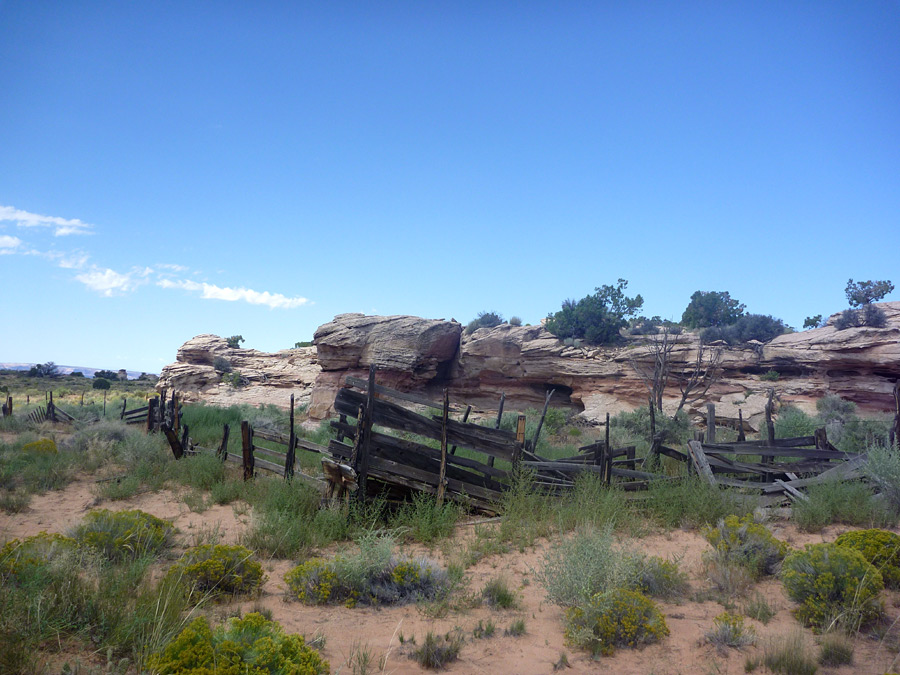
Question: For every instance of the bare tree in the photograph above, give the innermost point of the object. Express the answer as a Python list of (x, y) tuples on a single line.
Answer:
[(657, 365)]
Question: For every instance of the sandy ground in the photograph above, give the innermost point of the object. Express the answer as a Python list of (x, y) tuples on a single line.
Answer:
[(379, 630)]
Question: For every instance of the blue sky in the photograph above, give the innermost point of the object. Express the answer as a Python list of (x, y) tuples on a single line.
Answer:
[(176, 168)]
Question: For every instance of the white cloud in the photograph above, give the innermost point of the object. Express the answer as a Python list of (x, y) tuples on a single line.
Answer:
[(108, 282), (61, 226), (7, 243), (212, 292)]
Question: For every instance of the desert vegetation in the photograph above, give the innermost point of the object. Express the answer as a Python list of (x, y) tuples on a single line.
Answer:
[(142, 576)]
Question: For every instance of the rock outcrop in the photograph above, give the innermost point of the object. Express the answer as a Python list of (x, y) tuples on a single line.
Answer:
[(411, 353), (524, 362), (199, 374)]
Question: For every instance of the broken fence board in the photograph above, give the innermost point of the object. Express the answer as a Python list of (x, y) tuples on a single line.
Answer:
[(696, 452)]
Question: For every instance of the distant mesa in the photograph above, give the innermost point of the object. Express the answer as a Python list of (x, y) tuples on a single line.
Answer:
[(68, 370)]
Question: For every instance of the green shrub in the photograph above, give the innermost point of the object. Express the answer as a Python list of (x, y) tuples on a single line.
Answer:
[(729, 631), (576, 569), (761, 327), (789, 655), (793, 422), (212, 570), (484, 320), (883, 469), (832, 584), (660, 578), (373, 576), (221, 364), (424, 520), (745, 542), (770, 376), (881, 548), (100, 383), (758, 608), (515, 629), (691, 502), (438, 650), (597, 318), (615, 618), (123, 535), (637, 424), (252, 645), (840, 501), (711, 308), (497, 593), (836, 649)]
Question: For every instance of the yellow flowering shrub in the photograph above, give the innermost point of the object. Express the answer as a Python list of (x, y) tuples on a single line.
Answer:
[(616, 618), (747, 543), (218, 569), (20, 557), (832, 584), (252, 645), (123, 535), (43, 446), (313, 582), (879, 547)]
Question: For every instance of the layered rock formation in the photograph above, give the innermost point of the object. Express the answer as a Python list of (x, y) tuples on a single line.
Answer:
[(424, 355), (264, 378)]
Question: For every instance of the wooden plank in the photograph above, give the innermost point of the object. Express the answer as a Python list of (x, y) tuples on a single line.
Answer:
[(695, 450), (442, 474), (278, 469), (425, 458), (495, 442), (673, 453), (268, 452), (846, 471), (272, 436), (381, 390), (174, 443), (793, 492), (765, 451), (463, 420), (385, 441)]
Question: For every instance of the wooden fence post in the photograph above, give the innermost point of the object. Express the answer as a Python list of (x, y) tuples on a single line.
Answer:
[(442, 474), (711, 422), (741, 435), (365, 432), (222, 452), (104, 402), (770, 431), (152, 404), (537, 432), (247, 449), (895, 429), (607, 457), (124, 403), (292, 444), (499, 420), (520, 441)]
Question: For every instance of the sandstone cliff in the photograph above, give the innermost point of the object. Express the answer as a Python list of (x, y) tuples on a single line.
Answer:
[(424, 355)]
